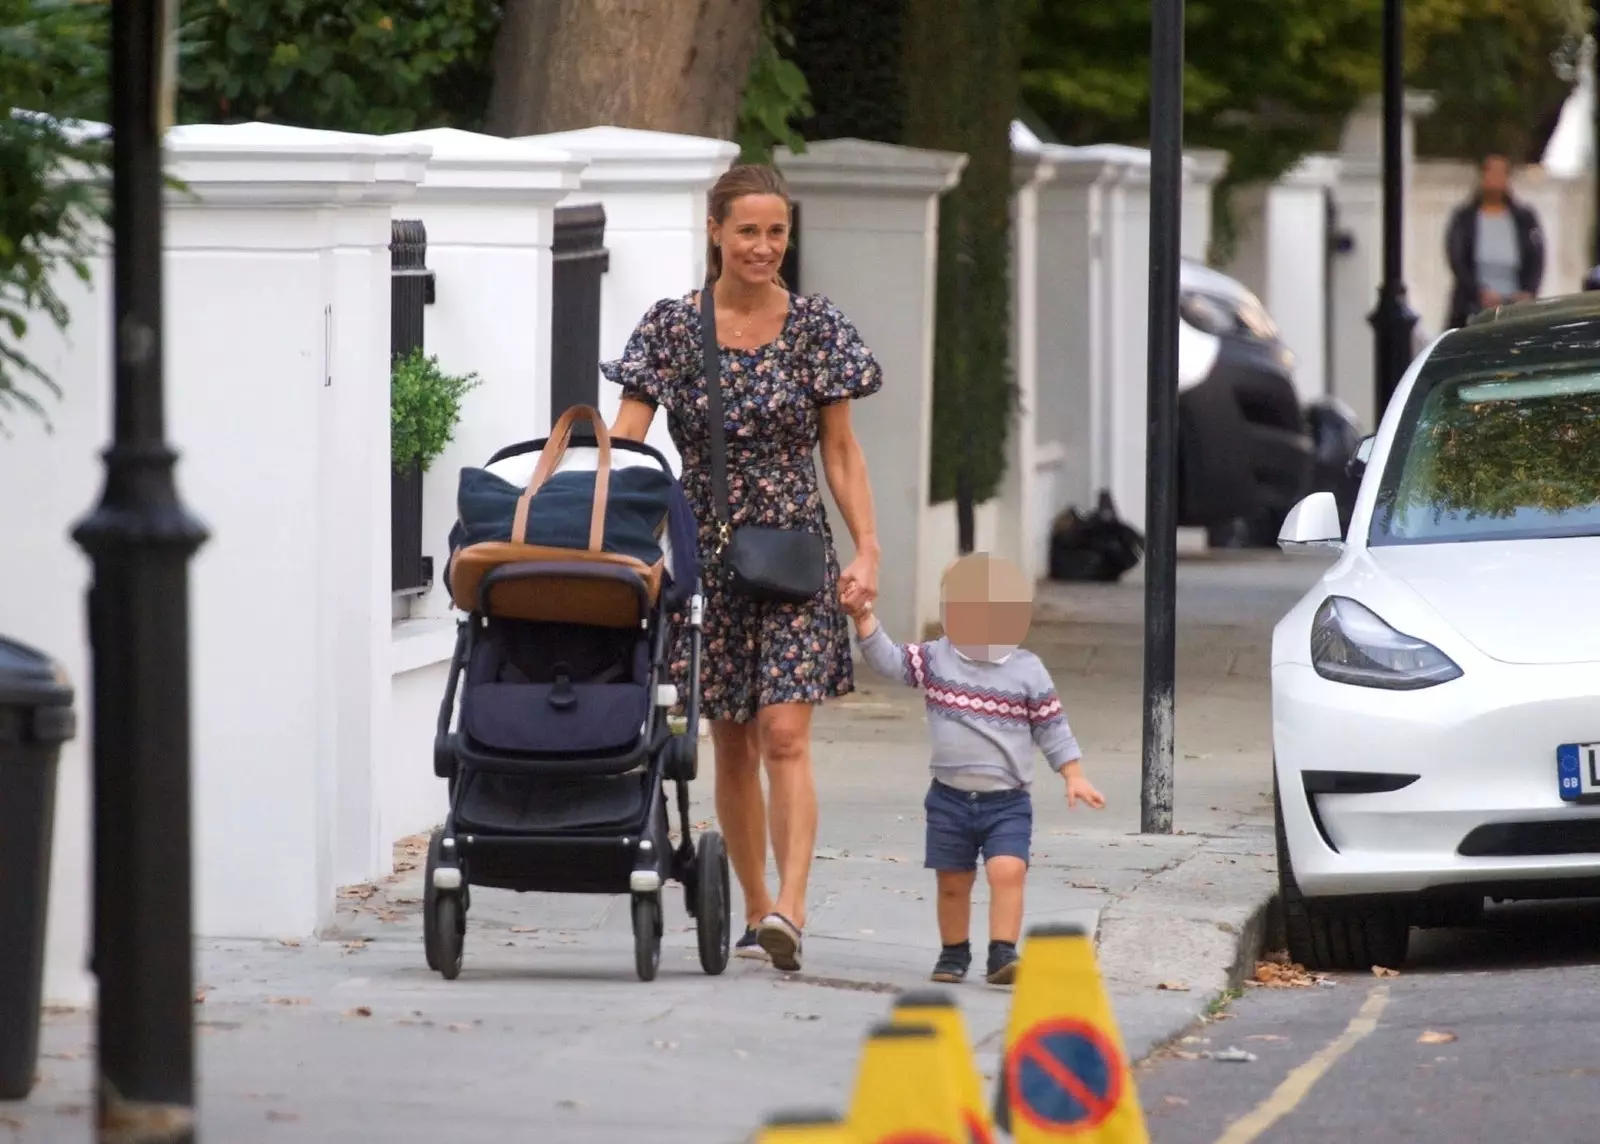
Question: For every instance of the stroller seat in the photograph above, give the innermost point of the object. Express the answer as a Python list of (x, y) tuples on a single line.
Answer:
[(557, 698)]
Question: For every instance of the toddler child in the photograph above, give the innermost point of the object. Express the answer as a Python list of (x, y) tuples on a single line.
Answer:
[(990, 706)]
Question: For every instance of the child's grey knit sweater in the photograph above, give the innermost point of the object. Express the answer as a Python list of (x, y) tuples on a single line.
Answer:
[(985, 719)]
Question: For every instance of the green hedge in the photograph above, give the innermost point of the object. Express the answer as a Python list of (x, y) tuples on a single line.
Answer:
[(961, 95), (940, 74)]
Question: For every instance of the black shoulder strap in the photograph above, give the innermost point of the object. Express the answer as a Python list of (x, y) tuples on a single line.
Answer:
[(714, 422)]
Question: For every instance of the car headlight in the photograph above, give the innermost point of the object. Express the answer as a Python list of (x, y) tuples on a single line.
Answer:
[(1350, 644), (1207, 314)]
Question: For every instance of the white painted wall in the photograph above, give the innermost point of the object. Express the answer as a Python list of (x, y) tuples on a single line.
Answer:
[(653, 186), (277, 280), (488, 205), (1281, 255), (870, 219)]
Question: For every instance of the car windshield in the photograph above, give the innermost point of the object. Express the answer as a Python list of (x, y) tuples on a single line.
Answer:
[(1505, 457)]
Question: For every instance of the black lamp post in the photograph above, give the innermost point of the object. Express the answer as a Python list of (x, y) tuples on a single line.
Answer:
[(1593, 280), (140, 539), (1394, 321)]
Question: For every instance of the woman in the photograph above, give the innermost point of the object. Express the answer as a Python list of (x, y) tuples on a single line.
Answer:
[(790, 365)]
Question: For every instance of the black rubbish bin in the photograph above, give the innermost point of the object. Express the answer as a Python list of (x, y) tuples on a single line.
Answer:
[(36, 717)]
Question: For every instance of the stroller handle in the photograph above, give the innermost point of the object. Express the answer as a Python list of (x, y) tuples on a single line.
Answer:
[(623, 443)]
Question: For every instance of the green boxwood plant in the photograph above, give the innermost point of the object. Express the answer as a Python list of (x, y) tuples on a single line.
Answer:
[(424, 409)]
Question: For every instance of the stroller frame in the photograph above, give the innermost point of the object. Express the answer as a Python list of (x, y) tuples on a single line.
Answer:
[(633, 856)]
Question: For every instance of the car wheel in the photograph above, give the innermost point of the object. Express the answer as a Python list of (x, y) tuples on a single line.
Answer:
[(1348, 934)]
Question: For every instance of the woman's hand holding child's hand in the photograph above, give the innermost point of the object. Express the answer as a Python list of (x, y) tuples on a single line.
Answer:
[(1080, 789)]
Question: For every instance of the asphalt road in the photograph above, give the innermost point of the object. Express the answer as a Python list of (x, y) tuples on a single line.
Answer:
[(1486, 1035)]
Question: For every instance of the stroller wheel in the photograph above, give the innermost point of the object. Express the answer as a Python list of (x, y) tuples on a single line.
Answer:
[(713, 910), (449, 924), (444, 923), (430, 902), (647, 929)]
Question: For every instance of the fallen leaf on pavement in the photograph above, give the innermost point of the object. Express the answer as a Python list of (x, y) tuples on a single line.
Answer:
[(1173, 987), (390, 916), (1175, 1100), (1432, 1038), (1182, 1055), (458, 1027), (291, 942), (288, 1000), (1266, 1037), (524, 929), (358, 943), (359, 893), (803, 1016), (358, 1011), (1285, 975), (1384, 971), (200, 994)]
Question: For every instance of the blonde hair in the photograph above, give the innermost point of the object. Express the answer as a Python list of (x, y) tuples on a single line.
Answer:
[(737, 182)]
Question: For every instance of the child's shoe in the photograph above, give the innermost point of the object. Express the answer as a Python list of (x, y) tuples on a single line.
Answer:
[(749, 946), (1002, 963), (953, 963)]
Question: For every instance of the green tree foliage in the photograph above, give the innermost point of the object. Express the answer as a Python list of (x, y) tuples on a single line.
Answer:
[(371, 66), (1271, 80), (776, 93), (52, 58), (1501, 74)]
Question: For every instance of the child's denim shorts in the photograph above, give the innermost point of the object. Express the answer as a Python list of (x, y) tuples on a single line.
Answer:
[(964, 824)]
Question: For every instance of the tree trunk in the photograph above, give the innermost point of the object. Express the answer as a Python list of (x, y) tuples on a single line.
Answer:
[(655, 65)]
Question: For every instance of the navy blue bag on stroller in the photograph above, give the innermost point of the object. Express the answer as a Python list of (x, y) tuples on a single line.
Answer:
[(560, 753)]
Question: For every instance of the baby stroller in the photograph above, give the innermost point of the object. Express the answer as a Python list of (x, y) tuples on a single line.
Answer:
[(559, 761)]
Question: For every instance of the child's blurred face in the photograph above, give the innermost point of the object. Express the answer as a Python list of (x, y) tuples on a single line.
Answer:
[(987, 606)]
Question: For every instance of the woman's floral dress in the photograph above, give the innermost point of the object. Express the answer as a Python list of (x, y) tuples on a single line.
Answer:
[(756, 654)]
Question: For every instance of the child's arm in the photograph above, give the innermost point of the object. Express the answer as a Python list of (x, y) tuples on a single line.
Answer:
[(904, 662), (1059, 745)]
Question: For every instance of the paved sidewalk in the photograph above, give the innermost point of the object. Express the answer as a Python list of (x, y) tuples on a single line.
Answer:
[(548, 1036)]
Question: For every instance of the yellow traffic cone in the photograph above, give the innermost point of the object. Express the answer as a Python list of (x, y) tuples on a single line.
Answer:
[(805, 1127), (937, 1008), (1065, 1070), (902, 1095)]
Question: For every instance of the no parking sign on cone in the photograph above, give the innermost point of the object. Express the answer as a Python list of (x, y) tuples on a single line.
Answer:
[(1065, 1072)]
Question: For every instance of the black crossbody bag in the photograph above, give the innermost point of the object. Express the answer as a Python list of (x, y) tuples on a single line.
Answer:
[(775, 565)]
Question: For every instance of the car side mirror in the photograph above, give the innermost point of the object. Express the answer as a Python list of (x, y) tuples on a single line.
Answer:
[(1356, 467), (1312, 524)]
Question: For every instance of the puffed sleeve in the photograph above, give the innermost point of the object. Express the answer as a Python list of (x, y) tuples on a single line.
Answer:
[(650, 365), (842, 367)]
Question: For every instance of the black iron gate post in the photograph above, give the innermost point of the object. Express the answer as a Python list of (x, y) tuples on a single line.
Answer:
[(579, 262), (411, 290), (1161, 449), (140, 539)]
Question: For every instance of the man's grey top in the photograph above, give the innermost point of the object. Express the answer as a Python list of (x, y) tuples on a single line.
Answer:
[(1499, 257), (985, 719)]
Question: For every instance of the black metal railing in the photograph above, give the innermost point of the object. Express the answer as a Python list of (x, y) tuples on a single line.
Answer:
[(410, 290), (790, 267), (580, 259)]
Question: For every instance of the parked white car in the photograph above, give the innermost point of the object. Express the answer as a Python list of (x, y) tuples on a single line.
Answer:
[(1436, 696)]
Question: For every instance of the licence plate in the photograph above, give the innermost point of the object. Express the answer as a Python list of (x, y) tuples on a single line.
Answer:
[(1578, 768)]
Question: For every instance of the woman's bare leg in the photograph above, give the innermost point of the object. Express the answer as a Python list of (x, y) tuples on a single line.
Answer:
[(742, 812), (785, 730)]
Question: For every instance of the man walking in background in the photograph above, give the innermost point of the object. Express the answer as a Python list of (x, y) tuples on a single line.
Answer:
[(1495, 246)]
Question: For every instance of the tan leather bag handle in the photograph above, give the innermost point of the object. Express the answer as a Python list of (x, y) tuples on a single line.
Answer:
[(554, 450)]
